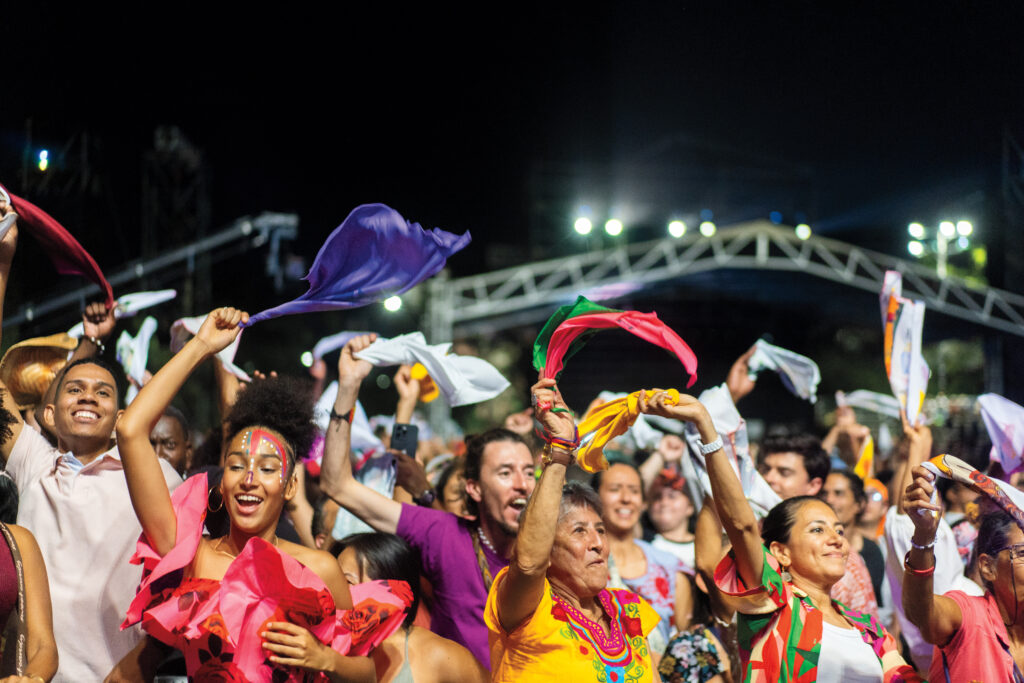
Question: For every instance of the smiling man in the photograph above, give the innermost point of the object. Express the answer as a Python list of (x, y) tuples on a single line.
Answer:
[(460, 557), (74, 499)]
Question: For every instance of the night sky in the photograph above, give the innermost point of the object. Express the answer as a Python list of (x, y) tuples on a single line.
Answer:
[(893, 113)]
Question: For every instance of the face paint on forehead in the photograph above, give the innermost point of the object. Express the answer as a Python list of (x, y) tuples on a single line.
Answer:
[(254, 438)]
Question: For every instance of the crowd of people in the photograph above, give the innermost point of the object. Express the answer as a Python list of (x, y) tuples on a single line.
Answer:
[(135, 546)]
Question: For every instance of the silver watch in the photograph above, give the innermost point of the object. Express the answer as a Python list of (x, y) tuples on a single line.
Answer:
[(709, 448)]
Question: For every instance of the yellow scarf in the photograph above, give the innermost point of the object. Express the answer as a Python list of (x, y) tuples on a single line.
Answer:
[(608, 421)]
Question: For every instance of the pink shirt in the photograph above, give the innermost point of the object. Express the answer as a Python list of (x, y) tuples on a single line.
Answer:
[(83, 520), (977, 651)]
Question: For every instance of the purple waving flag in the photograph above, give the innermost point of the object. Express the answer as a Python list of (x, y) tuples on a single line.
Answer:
[(373, 254)]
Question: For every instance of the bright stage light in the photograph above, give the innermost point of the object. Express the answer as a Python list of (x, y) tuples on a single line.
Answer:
[(916, 231), (393, 303), (44, 159), (707, 228), (583, 225), (613, 227), (963, 242), (306, 359), (915, 248), (803, 231), (947, 229), (677, 228), (964, 228)]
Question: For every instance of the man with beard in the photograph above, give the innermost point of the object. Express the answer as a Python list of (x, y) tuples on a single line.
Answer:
[(460, 557)]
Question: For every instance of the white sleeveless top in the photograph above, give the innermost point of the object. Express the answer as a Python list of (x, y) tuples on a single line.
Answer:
[(846, 658)]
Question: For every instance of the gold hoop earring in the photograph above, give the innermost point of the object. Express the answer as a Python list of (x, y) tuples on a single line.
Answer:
[(209, 506)]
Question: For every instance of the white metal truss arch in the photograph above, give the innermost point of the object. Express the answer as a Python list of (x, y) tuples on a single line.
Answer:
[(502, 294)]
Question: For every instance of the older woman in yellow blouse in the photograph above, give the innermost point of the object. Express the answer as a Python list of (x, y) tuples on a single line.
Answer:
[(549, 613)]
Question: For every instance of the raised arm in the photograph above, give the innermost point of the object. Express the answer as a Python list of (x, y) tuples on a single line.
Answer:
[(146, 484), (522, 590), (336, 478), (920, 437), (936, 616), (731, 502)]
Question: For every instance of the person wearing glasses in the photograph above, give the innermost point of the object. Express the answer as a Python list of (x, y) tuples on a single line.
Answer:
[(977, 638)]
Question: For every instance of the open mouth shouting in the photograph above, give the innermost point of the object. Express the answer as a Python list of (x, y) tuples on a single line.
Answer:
[(247, 503)]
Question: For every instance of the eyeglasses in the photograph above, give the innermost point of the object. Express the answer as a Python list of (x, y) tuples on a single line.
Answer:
[(1016, 551)]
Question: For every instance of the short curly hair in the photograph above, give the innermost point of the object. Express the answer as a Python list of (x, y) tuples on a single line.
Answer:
[(283, 404)]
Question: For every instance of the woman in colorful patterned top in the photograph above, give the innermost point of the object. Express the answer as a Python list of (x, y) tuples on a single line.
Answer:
[(779, 579), (247, 606), (549, 615)]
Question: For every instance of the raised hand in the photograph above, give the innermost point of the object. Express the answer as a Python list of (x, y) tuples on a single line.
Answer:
[(221, 328), (521, 423), (98, 320), (318, 370), (407, 387), (738, 380), (672, 448), (352, 370), (551, 410), (920, 437), (917, 504)]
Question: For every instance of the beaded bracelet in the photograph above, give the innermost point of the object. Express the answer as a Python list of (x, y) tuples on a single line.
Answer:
[(922, 547)]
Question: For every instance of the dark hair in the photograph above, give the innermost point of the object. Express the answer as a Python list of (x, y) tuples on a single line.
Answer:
[(816, 461), (856, 484), (777, 526), (116, 372), (449, 471), (7, 420), (388, 557), (993, 535), (8, 499), (475, 446), (175, 414), (595, 481), (283, 404)]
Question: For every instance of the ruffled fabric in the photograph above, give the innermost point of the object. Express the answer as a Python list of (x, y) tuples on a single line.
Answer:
[(216, 624)]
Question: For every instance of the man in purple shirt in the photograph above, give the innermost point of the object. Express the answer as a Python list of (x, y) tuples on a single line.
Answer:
[(460, 557)]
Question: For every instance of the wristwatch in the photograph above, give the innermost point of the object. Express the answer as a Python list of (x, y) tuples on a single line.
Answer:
[(709, 448)]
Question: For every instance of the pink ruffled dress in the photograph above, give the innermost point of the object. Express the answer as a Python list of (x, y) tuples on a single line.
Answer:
[(217, 624)]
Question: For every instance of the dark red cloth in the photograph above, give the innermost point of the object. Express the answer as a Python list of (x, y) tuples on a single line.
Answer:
[(68, 256), (8, 582)]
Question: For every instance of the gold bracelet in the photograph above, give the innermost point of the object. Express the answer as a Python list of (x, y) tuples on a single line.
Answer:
[(557, 455)]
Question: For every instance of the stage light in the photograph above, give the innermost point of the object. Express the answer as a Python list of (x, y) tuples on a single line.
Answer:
[(583, 225), (915, 248), (916, 231), (947, 229), (775, 217), (963, 242), (707, 228), (44, 159), (393, 303), (306, 359), (677, 228), (803, 231), (613, 227), (964, 228)]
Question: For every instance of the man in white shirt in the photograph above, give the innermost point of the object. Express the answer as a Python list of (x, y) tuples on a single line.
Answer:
[(75, 500)]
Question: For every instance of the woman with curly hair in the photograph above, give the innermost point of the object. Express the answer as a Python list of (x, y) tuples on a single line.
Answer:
[(247, 605)]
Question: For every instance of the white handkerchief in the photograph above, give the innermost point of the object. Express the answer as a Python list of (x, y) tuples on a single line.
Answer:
[(1004, 421), (128, 305), (133, 353), (185, 328), (462, 380), (883, 404), (733, 430), (799, 373)]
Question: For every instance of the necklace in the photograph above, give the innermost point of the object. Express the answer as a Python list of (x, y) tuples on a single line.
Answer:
[(486, 541)]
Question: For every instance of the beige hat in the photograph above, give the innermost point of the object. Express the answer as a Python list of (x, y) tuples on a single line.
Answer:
[(28, 367)]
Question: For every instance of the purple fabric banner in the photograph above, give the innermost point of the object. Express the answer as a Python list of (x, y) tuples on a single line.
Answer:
[(373, 254)]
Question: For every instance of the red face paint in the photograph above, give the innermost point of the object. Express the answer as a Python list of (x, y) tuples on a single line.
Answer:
[(255, 437)]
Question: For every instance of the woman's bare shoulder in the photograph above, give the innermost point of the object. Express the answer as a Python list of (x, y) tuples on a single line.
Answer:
[(441, 659)]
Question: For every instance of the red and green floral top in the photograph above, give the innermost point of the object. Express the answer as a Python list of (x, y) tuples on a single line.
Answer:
[(779, 629)]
